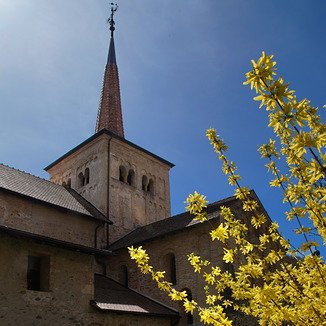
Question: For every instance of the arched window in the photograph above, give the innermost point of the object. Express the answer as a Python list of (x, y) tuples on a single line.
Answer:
[(131, 178), (123, 275), (80, 179), (69, 183), (170, 268), (151, 186), (173, 271), (228, 267), (144, 184), (86, 176), (122, 174), (147, 185)]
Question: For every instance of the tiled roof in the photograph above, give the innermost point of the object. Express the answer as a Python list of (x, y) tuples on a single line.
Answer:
[(180, 222), (109, 114), (168, 225), (110, 295), (37, 188)]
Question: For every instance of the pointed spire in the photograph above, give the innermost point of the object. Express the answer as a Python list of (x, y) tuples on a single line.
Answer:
[(109, 114)]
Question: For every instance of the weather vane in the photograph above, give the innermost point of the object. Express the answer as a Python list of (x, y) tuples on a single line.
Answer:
[(114, 8)]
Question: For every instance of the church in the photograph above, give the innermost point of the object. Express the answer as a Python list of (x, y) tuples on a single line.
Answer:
[(64, 242)]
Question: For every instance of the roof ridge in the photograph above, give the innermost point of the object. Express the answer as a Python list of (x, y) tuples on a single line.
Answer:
[(33, 175), (227, 199), (171, 224)]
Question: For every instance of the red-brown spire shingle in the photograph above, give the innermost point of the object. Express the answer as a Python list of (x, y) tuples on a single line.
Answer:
[(109, 112)]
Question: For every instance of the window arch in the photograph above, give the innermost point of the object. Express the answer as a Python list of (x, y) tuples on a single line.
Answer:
[(228, 267), (173, 270), (144, 183), (86, 176), (190, 318), (69, 183), (131, 178), (80, 179), (151, 186), (122, 173), (148, 185), (170, 268), (127, 176)]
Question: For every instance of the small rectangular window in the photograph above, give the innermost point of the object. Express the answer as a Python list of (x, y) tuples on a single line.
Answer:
[(38, 270)]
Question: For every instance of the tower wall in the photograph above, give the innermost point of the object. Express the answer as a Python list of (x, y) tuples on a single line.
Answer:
[(139, 191), (85, 170), (139, 188)]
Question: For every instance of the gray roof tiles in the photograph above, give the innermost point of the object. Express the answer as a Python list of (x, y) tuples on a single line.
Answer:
[(110, 295), (166, 226), (180, 222), (40, 189)]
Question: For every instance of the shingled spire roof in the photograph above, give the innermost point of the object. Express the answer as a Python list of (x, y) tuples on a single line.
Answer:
[(109, 114)]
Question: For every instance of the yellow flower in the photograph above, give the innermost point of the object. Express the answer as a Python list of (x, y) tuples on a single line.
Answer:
[(176, 295), (209, 278), (210, 299), (220, 233), (196, 203), (189, 306), (228, 255)]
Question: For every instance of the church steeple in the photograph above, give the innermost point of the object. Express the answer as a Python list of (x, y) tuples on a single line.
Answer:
[(109, 114)]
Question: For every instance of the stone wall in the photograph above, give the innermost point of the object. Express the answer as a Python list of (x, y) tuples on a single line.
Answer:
[(36, 217), (194, 239), (66, 302), (92, 156), (142, 198)]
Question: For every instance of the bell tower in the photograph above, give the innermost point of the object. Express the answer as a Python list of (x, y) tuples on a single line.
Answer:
[(129, 184)]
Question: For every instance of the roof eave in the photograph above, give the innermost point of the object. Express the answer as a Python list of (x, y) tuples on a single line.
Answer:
[(53, 241), (95, 305), (113, 135), (64, 209)]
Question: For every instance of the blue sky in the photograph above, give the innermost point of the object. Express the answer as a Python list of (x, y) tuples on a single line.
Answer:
[(182, 65)]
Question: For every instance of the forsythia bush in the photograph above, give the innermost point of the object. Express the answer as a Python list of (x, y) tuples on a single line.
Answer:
[(264, 284)]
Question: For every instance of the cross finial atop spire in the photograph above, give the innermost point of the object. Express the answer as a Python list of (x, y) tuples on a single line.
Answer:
[(114, 8)]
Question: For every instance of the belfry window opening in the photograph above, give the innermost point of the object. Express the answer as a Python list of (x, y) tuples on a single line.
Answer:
[(83, 178), (131, 178), (148, 185), (126, 176)]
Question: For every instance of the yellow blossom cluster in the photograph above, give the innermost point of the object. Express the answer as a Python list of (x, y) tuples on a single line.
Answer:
[(271, 282)]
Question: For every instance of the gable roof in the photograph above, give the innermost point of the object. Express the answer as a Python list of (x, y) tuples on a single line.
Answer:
[(180, 222), (32, 187), (110, 295), (168, 225)]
